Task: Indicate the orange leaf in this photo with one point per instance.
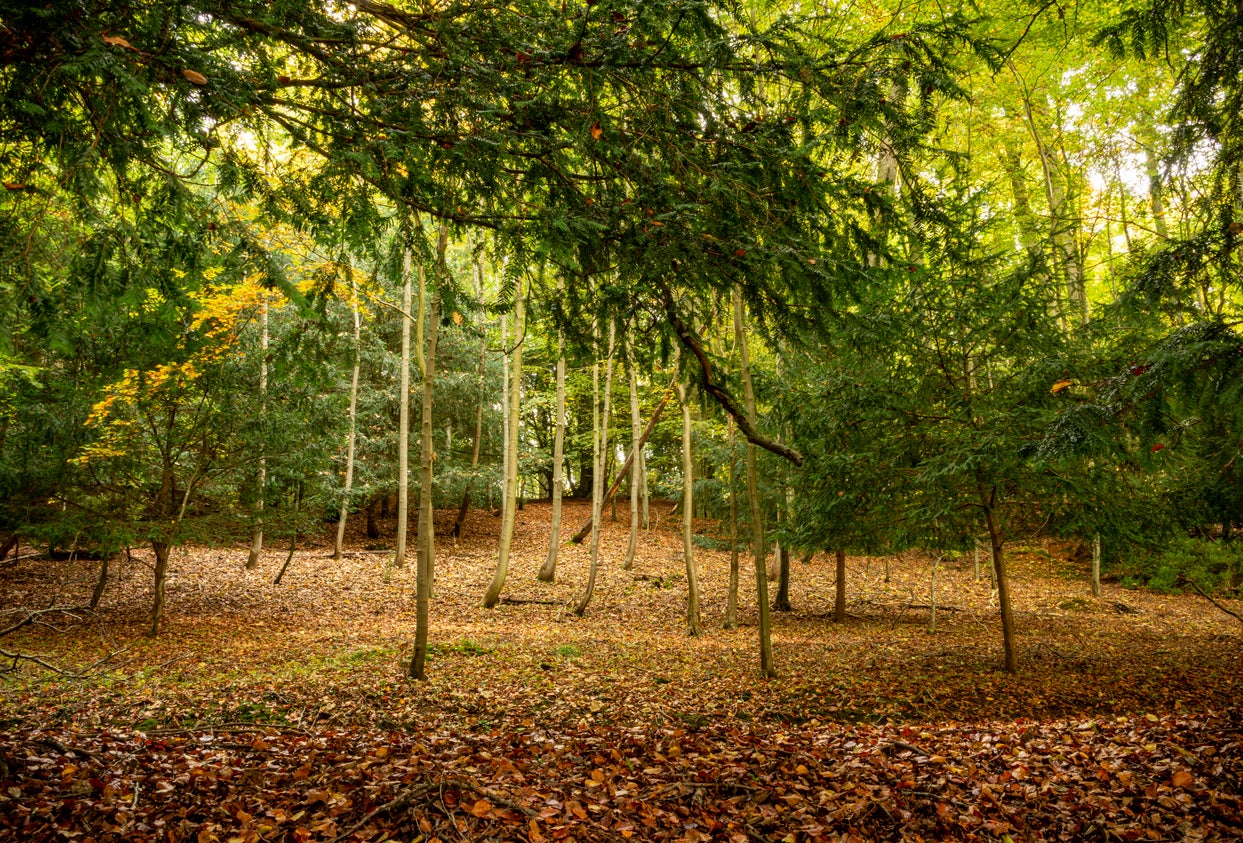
(533, 833)
(1182, 778)
(14, 185)
(194, 76)
(1061, 385)
(117, 41)
(596, 131)
(481, 808)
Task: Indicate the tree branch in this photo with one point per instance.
(718, 392)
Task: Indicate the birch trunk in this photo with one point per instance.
(509, 504)
(731, 603)
(427, 533)
(505, 415)
(636, 433)
(460, 522)
(1096, 565)
(403, 419)
(600, 435)
(753, 495)
(256, 541)
(645, 500)
(693, 626)
(351, 436)
(548, 572)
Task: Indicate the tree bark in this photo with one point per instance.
(427, 532)
(460, 522)
(731, 602)
(600, 423)
(161, 550)
(636, 435)
(509, 505)
(693, 626)
(548, 571)
(1096, 565)
(1003, 585)
(753, 495)
(839, 588)
(782, 602)
(352, 435)
(100, 584)
(403, 420)
(256, 542)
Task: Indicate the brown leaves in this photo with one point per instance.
(194, 77)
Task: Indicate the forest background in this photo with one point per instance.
(864, 279)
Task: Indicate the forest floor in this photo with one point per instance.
(267, 712)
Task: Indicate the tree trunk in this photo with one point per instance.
(1003, 588)
(256, 542)
(932, 597)
(10, 542)
(509, 505)
(600, 423)
(636, 434)
(100, 584)
(975, 566)
(548, 571)
(460, 522)
(782, 602)
(403, 420)
(427, 532)
(351, 436)
(693, 626)
(839, 588)
(1096, 565)
(645, 500)
(731, 602)
(753, 495)
(162, 550)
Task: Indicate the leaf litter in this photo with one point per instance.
(280, 712)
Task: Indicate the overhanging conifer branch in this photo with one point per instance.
(718, 392)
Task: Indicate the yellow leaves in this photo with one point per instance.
(1061, 386)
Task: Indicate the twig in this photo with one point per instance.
(1228, 611)
(518, 601)
(227, 727)
(402, 800)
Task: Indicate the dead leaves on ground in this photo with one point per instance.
(1122, 779)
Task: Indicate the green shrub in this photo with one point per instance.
(1214, 566)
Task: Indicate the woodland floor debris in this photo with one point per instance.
(281, 712)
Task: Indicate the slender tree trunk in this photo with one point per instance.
(767, 668)
(731, 603)
(351, 436)
(427, 532)
(645, 499)
(162, 550)
(1003, 588)
(403, 422)
(460, 523)
(782, 602)
(1065, 224)
(256, 542)
(975, 567)
(505, 414)
(600, 422)
(636, 433)
(509, 505)
(693, 626)
(1096, 565)
(839, 588)
(100, 584)
(548, 572)
(293, 538)
(932, 597)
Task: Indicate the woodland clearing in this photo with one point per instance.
(268, 712)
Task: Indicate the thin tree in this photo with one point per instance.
(351, 435)
(839, 589)
(600, 443)
(731, 603)
(403, 418)
(693, 626)
(548, 571)
(427, 533)
(753, 494)
(256, 542)
(460, 522)
(636, 433)
(509, 504)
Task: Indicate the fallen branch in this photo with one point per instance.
(518, 601)
(402, 801)
(1225, 609)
